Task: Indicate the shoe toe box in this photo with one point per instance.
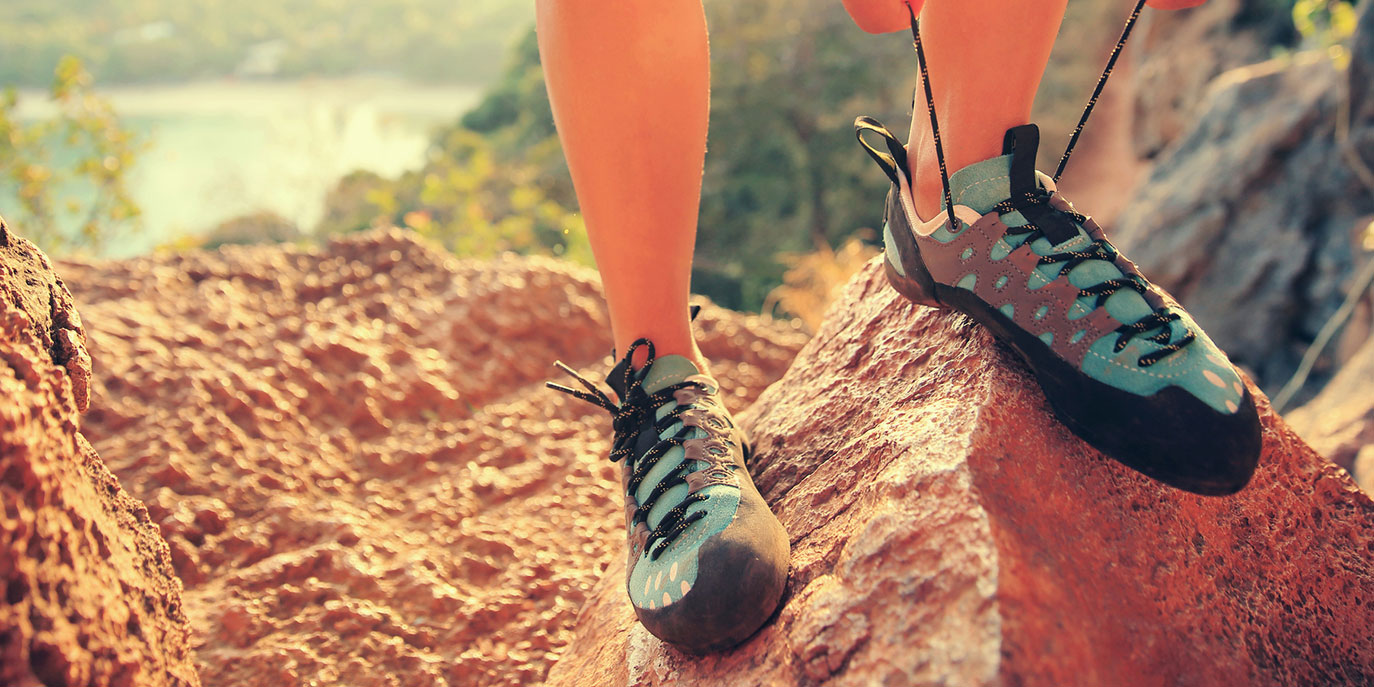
(1207, 452)
(740, 578)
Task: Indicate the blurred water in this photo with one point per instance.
(226, 148)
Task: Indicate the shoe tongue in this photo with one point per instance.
(668, 370)
(665, 371)
(982, 185)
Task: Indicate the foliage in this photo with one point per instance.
(74, 203)
(813, 280)
(1326, 25)
(1326, 21)
(170, 40)
(474, 201)
(783, 173)
(494, 182)
(254, 228)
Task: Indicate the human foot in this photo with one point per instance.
(707, 559)
(1121, 363)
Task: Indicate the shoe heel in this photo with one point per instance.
(898, 241)
(910, 289)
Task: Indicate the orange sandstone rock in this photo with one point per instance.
(90, 597)
(946, 530)
(362, 482)
(353, 458)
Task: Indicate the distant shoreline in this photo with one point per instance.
(219, 149)
(245, 97)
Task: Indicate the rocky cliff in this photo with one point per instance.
(90, 596)
(1339, 422)
(362, 482)
(353, 458)
(946, 530)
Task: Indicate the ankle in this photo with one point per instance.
(929, 194)
(694, 355)
(927, 188)
(687, 349)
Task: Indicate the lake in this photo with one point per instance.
(221, 149)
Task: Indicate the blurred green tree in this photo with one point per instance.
(495, 181)
(172, 40)
(783, 174)
(57, 208)
(1326, 25)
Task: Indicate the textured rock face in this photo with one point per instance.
(90, 596)
(354, 460)
(1176, 55)
(946, 530)
(1251, 216)
(1154, 93)
(1339, 422)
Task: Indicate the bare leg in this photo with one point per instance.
(985, 59)
(629, 83)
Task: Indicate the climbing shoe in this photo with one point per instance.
(707, 560)
(1121, 363)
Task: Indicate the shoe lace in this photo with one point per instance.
(1077, 131)
(1100, 249)
(1162, 317)
(627, 419)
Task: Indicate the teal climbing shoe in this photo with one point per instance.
(1121, 363)
(707, 560)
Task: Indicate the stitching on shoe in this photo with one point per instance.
(1138, 369)
(965, 190)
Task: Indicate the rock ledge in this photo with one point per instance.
(946, 530)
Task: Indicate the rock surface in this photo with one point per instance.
(90, 596)
(354, 460)
(1155, 90)
(1251, 216)
(1175, 55)
(1339, 422)
(946, 530)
